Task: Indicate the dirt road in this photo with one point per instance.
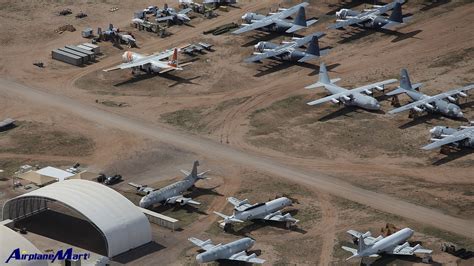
(197, 144)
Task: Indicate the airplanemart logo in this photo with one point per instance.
(67, 254)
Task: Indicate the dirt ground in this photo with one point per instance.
(257, 108)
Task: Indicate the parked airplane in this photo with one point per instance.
(288, 50)
(277, 22)
(462, 137)
(423, 102)
(371, 18)
(142, 189)
(270, 211)
(173, 193)
(235, 250)
(369, 246)
(151, 63)
(352, 97)
(170, 14)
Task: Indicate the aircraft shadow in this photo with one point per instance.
(278, 65)
(427, 5)
(233, 263)
(451, 156)
(264, 36)
(400, 36)
(388, 259)
(425, 119)
(138, 252)
(198, 191)
(466, 105)
(178, 80)
(258, 224)
(344, 111)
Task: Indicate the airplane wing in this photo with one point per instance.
(255, 25)
(270, 19)
(242, 256)
(279, 217)
(185, 11)
(368, 238)
(154, 58)
(261, 56)
(164, 18)
(182, 200)
(385, 8)
(431, 99)
(457, 136)
(349, 93)
(405, 249)
(134, 185)
(241, 204)
(206, 245)
(348, 22)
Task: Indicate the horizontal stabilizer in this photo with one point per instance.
(294, 28)
(396, 92)
(307, 58)
(321, 84)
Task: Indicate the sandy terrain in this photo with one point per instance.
(253, 117)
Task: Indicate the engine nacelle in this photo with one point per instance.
(346, 98)
(335, 101)
(282, 9)
(451, 98)
(379, 88)
(368, 92)
(429, 106)
(462, 94)
(417, 109)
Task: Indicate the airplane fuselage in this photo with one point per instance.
(225, 251)
(291, 55)
(130, 57)
(387, 243)
(441, 106)
(167, 192)
(259, 211)
(439, 132)
(280, 25)
(357, 99)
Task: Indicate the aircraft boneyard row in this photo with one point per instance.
(301, 50)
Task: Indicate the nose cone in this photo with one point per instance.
(433, 130)
(245, 16)
(199, 258)
(459, 114)
(373, 104)
(143, 202)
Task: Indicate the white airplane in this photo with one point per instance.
(152, 63)
(369, 246)
(269, 211)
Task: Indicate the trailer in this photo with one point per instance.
(66, 57)
(83, 57)
(91, 55)
(87, 33)
(95, 48)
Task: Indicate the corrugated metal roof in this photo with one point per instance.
(123, 224)
(59, 174)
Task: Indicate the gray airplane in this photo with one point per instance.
(354, 97)
(371, 18)
(288, 50)
(462, 137)
(235, 250)
(422, 102)
(173, 193)
(277, 22)
(269, 211)
(369, 246)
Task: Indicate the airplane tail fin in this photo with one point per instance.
(300, 18)
(313, 47)
(361, 246)
(405, 82)
(323, 74)
(194, 172)
(173, 61)
(397, 15)
(323, 78)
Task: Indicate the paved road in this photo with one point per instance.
(197, 144)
